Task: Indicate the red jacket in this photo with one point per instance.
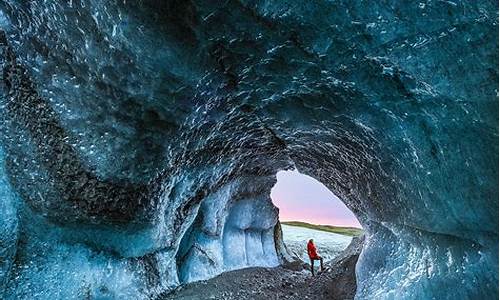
(311, 250)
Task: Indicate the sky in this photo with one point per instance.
(303, 198)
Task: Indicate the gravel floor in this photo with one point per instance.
(291, 281)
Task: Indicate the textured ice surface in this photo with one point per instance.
(140, 140)
(329, 244)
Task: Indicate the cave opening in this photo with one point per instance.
(309, 210)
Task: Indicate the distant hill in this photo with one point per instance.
(350, 231)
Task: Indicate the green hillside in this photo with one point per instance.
(350, 231)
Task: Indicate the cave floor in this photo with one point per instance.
(291, 281)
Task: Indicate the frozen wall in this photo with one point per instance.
(229, 233)
(140, 140)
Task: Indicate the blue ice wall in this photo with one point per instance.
(140, 140)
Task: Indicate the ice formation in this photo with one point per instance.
(330, 244)
(140, 140)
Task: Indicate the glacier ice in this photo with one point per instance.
(330, 245)
(229, 234)
(139, 140)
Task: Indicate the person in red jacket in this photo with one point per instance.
(313, 255)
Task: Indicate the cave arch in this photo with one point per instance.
(307, 209)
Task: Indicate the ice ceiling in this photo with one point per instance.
(140, 140)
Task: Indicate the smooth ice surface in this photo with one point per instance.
(228, 235)
(140, 140)
(328, 244)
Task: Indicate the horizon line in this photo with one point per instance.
(353, 226)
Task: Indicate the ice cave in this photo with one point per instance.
(139, 141)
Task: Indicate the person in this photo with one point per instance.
(313, 255)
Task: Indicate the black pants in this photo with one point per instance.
(312, 263)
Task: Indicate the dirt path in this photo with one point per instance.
(292, 281)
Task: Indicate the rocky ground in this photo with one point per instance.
(291, 281)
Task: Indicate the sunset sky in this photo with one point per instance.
(303, 198)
